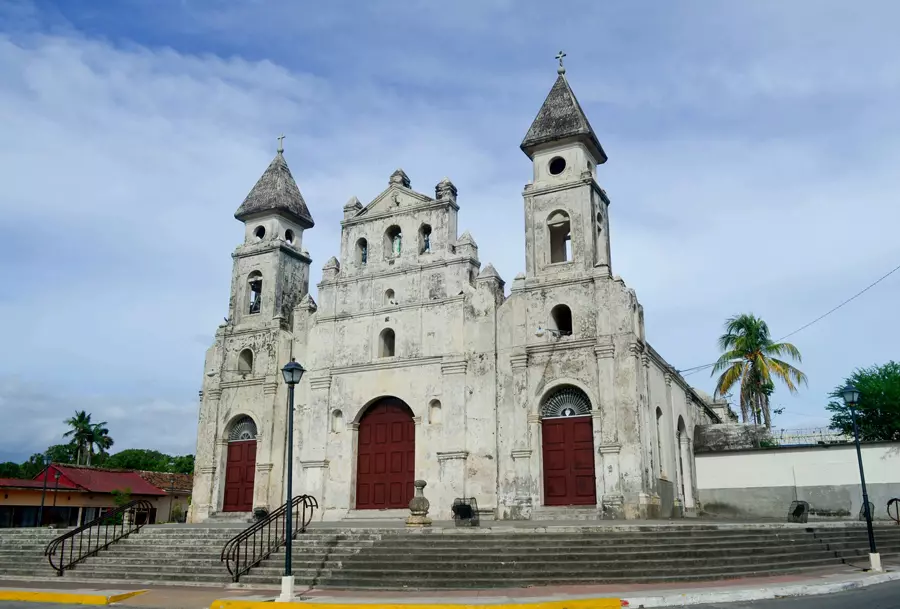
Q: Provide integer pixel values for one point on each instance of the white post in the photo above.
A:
(287, 590)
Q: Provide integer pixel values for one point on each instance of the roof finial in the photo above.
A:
(561, 69)
(281, 142)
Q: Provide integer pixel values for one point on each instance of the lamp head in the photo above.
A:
(539, 332)
(851, 395)
(292, 372)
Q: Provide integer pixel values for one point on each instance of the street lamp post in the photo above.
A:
(292, 372)
(40, 518)
(851, 399)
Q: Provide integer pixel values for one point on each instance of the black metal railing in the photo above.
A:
(69, 549)
(893, 509)
(256, 543)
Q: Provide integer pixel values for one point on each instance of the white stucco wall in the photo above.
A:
(763, 482)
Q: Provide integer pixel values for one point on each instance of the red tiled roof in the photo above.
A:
(19, 483)
(169, 482)
(96, 480)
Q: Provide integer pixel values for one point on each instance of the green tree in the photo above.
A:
(10, 470)
(878, 411)
(138, 458)
(183, 465)
(35, 465)
(749, 360)
(99, 438)
(62, 453)
(86, 435)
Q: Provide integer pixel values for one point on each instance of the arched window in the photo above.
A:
(393, 242)
(386, 343)
(389, 297)
(566, 401)
(434, 412)
(560, 237)
(659, 439)
(425, 239)
(255, 282)
(337, 421)
(242, 429)
(362, 252)
(561, 317)
(289, 236)
(245, 362)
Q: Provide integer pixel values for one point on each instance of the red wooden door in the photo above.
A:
(386, 457)
(240, 472)
(568, 447)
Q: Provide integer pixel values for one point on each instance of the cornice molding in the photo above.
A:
(521, 453)
(605, 351)
(561, 344)
(453, 455)
(248, 382)
(270, 388)
(424, 206)
(323, 464)
(320, 382)
(531, 191)
(208, 471)
(374, 271)
(388, 364)
(519, 361)
(264, 467)
(213, 394)
(534, 418)
(265, 247)
(391, 309)
(610, 449)
(451, 367)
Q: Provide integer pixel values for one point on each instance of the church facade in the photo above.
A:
(541, 401)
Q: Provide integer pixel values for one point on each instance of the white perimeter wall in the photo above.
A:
(763, 482)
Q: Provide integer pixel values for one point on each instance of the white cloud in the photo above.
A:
(743, 180)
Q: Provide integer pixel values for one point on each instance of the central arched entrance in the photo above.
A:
(567, 437)
(385, 467)
(240, 466)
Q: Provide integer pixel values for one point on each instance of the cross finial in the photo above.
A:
(280, 143)
(561, 69)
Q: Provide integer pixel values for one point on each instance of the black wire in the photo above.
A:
(695, 369)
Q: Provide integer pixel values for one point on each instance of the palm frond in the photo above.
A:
(791, 376)
(729, 378)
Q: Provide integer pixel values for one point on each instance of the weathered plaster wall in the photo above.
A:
(763, 482)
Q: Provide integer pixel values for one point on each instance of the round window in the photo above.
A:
(260, 232)
(557, 165)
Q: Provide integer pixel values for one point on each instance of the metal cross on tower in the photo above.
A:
(561, 69)
(281, 143)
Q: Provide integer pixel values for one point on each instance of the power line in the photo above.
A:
(695, 369)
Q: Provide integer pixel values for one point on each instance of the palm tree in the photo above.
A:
(99, 438)
(86, 435)
(749, 358)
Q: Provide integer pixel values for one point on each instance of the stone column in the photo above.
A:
(207, 432)
(606, 431)
(687, 461)
(522, 436)
(536, 460)
(317, 425)
(673, 449)
(218, 487)
(452, 459)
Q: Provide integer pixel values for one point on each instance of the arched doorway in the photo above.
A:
(385, 466)
(240, 466)
(567, 438)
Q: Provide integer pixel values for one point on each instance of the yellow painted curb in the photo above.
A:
(587, 603)
(70, 598)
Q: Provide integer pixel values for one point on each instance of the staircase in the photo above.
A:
(22, 552)
(462, 558)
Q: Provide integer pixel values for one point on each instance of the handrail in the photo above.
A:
(98, 534)
(896, 515)
(256, 543)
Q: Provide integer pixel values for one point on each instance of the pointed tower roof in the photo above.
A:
(276, 191)
(561, 118)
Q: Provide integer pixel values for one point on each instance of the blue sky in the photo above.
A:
(753, 167)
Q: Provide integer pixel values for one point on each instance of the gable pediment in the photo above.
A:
(395, 198)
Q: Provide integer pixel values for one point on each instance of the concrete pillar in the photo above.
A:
(687, 463)
(207, 457)
(522, 449)
(452, 461)
(606, 432)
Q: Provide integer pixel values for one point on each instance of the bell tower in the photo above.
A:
(565, 209)
(271, 268)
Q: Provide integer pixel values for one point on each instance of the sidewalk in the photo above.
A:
(630, 595)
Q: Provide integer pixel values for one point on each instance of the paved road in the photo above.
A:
(881, 596)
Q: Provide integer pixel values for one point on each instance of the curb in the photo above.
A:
(588, 603)
(75, 597)
(730, 596)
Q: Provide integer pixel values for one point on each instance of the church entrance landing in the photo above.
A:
(386, 456)
(567, 433)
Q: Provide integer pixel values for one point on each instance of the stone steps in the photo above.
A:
(460, 558)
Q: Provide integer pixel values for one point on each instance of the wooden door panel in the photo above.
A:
(240, 473)
(568, 461)
(386, 456)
